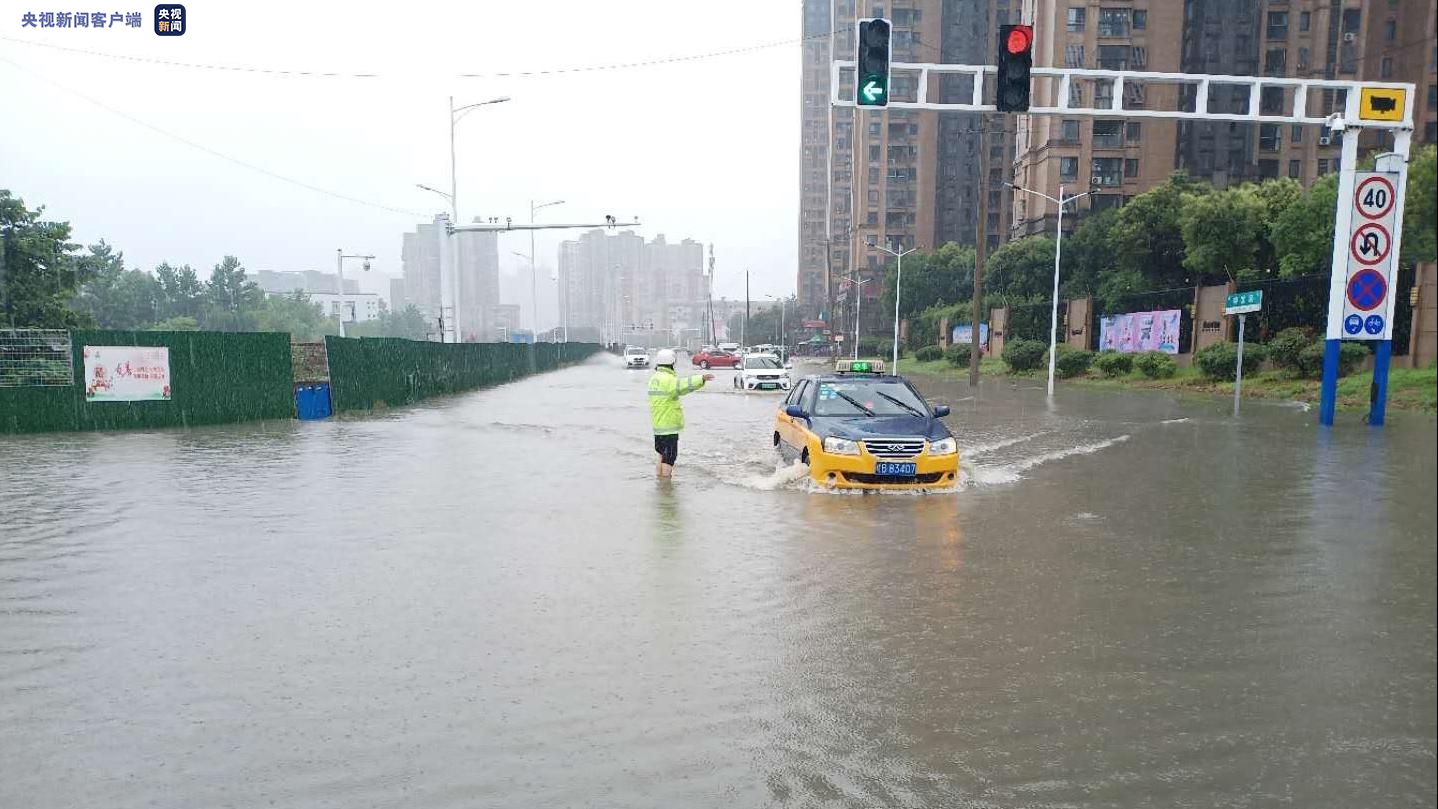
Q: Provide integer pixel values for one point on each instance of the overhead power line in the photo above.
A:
(499, 74)
(214, 153)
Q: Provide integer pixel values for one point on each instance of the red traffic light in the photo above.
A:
(1020, 38)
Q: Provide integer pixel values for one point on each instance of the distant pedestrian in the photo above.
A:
(667, 415)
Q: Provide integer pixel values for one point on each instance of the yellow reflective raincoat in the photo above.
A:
(665, 388)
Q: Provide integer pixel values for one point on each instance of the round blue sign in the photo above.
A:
(1353, 324)
(1366, 289)
(1374, 324)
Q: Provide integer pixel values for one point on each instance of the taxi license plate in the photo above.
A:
(891, 469)
(768, 385)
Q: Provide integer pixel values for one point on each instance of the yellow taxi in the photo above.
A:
(860, 428)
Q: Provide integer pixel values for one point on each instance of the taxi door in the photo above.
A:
(789, 431)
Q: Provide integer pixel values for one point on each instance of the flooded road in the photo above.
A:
(489, 601)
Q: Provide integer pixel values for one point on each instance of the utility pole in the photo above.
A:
(980, 243)
(710, 293)
(744, 333)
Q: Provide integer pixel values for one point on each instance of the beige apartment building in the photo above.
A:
(1383, 40)
(894, 177)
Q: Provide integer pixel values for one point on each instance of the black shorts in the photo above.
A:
(668, 448)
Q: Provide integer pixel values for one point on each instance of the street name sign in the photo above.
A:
(1241, 303)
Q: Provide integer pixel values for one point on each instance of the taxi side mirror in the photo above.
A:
(796, 412)
(941, 410)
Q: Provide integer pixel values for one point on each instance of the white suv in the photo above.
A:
(636, 357)
(761, 372)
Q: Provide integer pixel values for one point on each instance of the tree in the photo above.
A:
(114, 297)
(1021, 270)
(1302, 234)
(180, 291)
(231, 302)
(39, 275)
(1420, 208)
(1224, 233)
(297, 314)
(1147, 236)
(1088, 254)
(408, 323)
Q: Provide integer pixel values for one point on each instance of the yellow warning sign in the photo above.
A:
(1382, 103)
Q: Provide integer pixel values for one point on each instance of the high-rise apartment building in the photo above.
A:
(893, 177)
(618, 282)
(476, 260)
(1330, 39)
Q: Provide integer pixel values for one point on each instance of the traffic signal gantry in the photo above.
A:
(1365, 249)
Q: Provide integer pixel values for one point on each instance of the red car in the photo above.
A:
(714, 359)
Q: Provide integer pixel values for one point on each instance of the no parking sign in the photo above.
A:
(1368, 288)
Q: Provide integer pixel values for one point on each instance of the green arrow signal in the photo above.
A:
(872, 90)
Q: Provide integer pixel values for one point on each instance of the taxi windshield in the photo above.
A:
(761, 362)
(867, 398)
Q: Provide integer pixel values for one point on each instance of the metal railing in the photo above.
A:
(36, 358)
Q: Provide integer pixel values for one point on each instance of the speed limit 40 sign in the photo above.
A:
(1368, 287)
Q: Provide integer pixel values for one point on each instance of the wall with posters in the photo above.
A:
(1140, 331)
(148, 379)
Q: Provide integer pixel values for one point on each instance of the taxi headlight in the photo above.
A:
(840, 446)
(944, 446)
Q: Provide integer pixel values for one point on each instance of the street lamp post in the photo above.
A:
(898, 289)
(340, 267)
(858, 308)
(455, 114)
(783, 302)
(1060, 201)
(533, 284)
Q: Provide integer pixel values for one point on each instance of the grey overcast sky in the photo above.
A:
(706, 149)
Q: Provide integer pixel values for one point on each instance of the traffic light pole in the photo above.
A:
(1369, 106)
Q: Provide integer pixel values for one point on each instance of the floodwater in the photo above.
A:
(488, 601)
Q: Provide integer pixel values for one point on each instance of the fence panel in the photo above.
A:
(369, 372)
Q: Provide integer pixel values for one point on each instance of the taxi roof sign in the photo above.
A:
(1382, 103)
(859, 367)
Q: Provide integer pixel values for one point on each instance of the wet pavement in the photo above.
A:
(487, 600)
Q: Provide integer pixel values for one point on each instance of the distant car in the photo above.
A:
(859, 428)
(761, 372)
(715, 359)
(732, 348)
(636, 357)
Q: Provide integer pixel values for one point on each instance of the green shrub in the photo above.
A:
(1218, 360)
(1155, 365)
(1024, 355)
(1350, 357)
(929, 354)
(958, 355)
(1284, 349)
(1070, 361)
(1113, 363)
(876, 347)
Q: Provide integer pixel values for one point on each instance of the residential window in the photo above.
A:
(874, 197)
(874, 153)
(1070, 130)
(1103, 94)
(1433, 96)
(1107, 134)
(873, 176)
(1113, 57)
(1302, 65)
(1352, 20)
(1322, 166)
(1275, 62)
(1068, 168)
(1295, 169)
(1390, 30)
(1140, 19)
(1073, 56)
(876, 129)
(1108, 171)
(1430, 132)
(872, 218)
(1104, 202)
(1134, 95)
(1134, 131)
(1076, 19)
(1130, 168)
(1139, 59)
(1268, 169)
(1277, 25)
(1305, 19)
(1113, 22)
(1270, 101)
(1385, 68)
(1269, 137)
(1075, 94)
(1295, 133)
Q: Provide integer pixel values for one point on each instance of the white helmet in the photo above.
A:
(664, 357)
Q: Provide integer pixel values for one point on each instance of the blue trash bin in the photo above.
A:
(312, 401)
